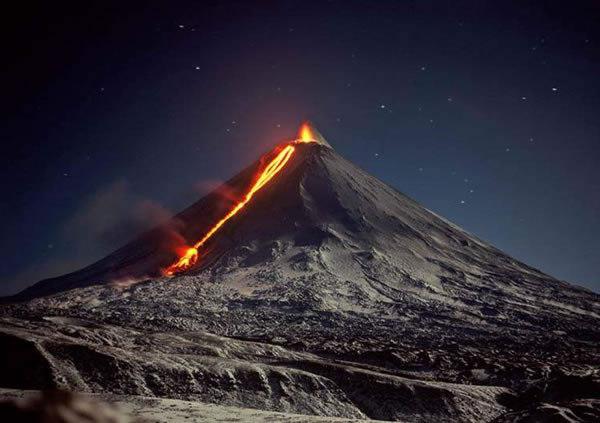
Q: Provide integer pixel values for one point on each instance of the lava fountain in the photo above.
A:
(190, 257)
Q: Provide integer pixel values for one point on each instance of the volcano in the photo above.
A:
(323, 291)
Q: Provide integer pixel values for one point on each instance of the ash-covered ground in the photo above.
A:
(332, 294)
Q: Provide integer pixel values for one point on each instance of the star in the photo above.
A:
(462, 201)
(197, 67)
(523, 98)
(382, 106)
(376, 155)
(507, 149)
(554, 89)
(423, 68)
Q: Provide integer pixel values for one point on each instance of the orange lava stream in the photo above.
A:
(190, 257)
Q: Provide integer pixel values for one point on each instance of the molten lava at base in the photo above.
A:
(190, 257)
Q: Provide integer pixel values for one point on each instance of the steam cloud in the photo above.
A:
(106, 220)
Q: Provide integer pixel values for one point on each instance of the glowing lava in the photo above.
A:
(190, 257)
(305, 134)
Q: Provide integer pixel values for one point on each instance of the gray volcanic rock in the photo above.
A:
(90, 357)
(564, 397)
(329, 294)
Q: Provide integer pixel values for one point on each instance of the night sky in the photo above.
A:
(116, 114)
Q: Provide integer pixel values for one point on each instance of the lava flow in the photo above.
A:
(190, 257)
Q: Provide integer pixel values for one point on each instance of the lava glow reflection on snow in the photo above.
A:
(190, 257)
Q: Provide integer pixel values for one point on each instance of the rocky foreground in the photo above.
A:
(67, 407)
(149, 340)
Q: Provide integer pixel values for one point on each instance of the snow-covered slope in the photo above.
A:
(343, 240)
(326, 229)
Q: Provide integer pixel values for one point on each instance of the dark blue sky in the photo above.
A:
(118, 113)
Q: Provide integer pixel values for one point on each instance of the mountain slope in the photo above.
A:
(325, 217)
